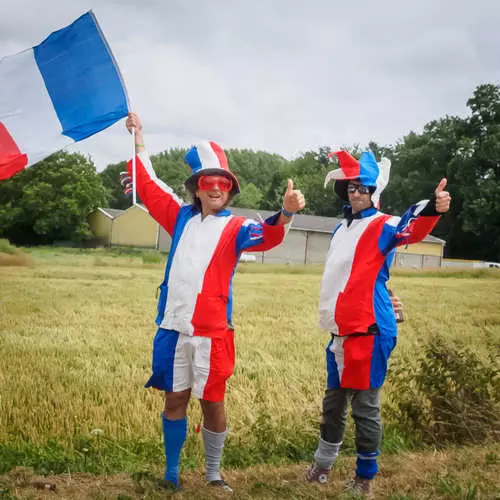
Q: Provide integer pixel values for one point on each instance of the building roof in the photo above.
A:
(432, 239)
(300, 222)
(111, 213)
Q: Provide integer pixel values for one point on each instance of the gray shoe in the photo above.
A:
(220, 483)
(359, 487)
(317, 474)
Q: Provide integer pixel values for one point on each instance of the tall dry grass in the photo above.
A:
(75, 350)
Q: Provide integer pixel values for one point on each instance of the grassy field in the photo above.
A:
(467, 474)
(76, 329)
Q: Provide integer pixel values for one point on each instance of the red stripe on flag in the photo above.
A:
(11, 159)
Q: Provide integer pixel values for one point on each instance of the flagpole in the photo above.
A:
(134, 195)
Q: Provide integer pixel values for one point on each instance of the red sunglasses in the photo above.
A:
(210, 182)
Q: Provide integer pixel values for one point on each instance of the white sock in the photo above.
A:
(214, 444)
(326, 454)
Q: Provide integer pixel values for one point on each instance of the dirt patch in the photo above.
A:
(18, 258)
(459, 473)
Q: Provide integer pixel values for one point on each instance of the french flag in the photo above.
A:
(62, 91)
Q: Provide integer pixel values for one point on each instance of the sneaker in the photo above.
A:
(165, 484)
(220, 483)
(359, 487)
(317, 473)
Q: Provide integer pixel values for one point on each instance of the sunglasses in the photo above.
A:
(360, 188)
(211, 182)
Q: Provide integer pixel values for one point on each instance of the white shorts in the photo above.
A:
(202, 364)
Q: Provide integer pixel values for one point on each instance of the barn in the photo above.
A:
(132, 227)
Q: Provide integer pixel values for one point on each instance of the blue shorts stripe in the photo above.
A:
(164, 347)
(382, 349)
(332, 370)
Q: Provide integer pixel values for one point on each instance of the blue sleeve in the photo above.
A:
(251, 233)
(387, 240)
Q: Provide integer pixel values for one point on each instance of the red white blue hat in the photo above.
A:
(208, 158)
(366, 170)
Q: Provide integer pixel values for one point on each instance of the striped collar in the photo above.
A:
(349, 216)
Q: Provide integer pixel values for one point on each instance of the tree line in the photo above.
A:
(51, 201)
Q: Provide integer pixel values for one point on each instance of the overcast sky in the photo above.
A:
(283, 76)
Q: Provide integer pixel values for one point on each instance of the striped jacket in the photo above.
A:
(354, 303)
(195, 295)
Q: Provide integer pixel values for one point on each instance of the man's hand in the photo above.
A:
(293, 200)
(443, 198)
(397, 305)
(133, 121)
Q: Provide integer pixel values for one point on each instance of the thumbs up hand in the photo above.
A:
(293, 200)
(443, 198)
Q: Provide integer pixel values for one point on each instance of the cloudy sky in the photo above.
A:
(283, 76)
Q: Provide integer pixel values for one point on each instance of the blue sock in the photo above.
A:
(174, 435)
(366, 464)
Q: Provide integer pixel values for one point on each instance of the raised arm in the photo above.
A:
(417, 222)
(160, 200)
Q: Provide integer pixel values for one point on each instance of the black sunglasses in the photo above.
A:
(360, 188)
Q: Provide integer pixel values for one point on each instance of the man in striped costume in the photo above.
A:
(355, 307)
(193, 351)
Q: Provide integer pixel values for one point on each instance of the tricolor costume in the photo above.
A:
(356, 309)
(194, 346)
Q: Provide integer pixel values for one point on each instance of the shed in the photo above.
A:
(101, 221)
(134, 227)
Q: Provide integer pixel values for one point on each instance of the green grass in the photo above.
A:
(6, 247)
(76, 331)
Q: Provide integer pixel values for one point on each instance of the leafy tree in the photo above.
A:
(467, 152)
(171, 168)
(419, 162)
(249, 197)
(110, 178)
(51, 200)
(481, 215)
(256, 167)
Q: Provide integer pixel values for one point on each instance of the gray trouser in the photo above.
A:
(365, 412)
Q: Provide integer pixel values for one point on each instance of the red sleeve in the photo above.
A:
(160, 200)
(420, 228)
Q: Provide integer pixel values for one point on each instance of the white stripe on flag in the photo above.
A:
(26, 108)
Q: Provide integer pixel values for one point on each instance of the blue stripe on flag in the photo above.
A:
(82, 78)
